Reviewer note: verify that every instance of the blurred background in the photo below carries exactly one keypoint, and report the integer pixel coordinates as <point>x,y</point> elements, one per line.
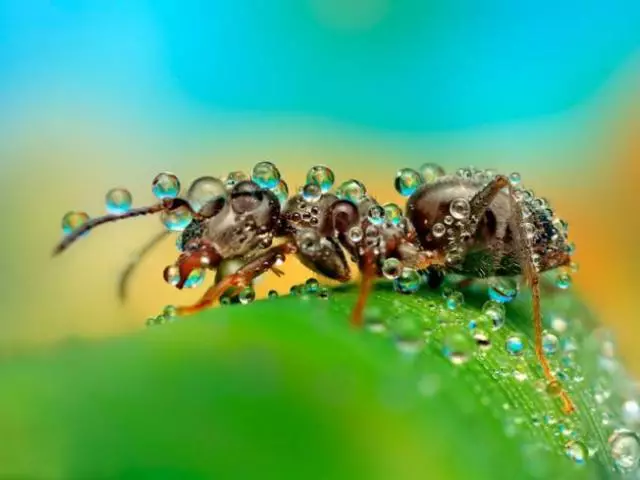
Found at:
<point>100,94</point>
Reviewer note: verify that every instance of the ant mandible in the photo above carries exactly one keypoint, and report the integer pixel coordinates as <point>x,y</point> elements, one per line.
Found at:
<point>475,223</point>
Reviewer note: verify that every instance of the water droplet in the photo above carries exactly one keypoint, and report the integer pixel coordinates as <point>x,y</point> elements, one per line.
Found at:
<point>515,178</point>
<point>408,281</point>
<point>454,300</point>
<point>563,281</point>
<point>625,449</point>
<point>520,375</point>
<point>577,451</point>
<point>460,209</point>
<point>438,230</point>
<point>272,294</point>
<point>73,220</point>
<point>351,190</point>
<point>482,339</point>
<point>554,388</point>
<point>322,177</point>
<point>204,190</point>
<point>373,319</point>
<point>549,344</point>
<point>311,192</point>
<point>457,347</point>
<point>165,185</point>
<point>631,413</point>
<point>407,333</point>
<point>247,296</point>
<point>118,201</point>
<point>177,219</point>
<point>171,275</point>
<point>153,321</point>
<point>376,215</point>
<point>392,213</point>
<point>281,190</point>
<point>503,289</point>
<point>355,234</point>
<point>496,312</point>
<point>515,345</point>
<point>265,175</point>
<point>407,181</point>
<point>295,290</point>
<point>312,285</point>
<point>323,293</point>
<point>392,268</point>
<point>235,177</point>
<point>431,172</point>
<point>195,278</point>
<point>170,312</point>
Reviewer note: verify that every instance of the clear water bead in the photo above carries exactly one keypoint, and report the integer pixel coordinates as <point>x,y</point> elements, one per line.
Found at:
<point>503,289</point>
<point>322,177</point>
<point>176,220</point>
<point>454,300</point>
<point>460,209</point>
<point>515,179</point>
<point>272,294</point>
<point>355,234</point>
<point>265,175</point>
<point>247,296</point>
<point>457,347</point>
<point>408,281</point>
<point>281,190</point>
<point>376,215</point>
<point>407,181</point>
<point>118,201</point>
<point>563,281</point>
<point>496,313</point>
<point>311,192</point>
<point>352,191</point>
<point>431,172</point>
<point>312,285</point>
<point>407,333</point>
<point>625,449</point>
<point>515,345</point>
<point>577,451</point>
<point>165,185</point>
<point>392,268</point>
<point>204,190</point>
<point>171,275</point>
<point>233,178</point>
<point>195,278</point>
<point>549,343</point>
<point>392,213</point>
<point>73,220</point>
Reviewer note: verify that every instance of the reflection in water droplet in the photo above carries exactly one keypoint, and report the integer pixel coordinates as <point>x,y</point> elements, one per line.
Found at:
<point>563,281</point>
<point>165,185</point>
<point>577,451</point>
<point>515,345</point>
<point>233,178</point>
<point>311,192</point>
<point>457,347</point>
<point>392,213</point>
<point>118,201</point>
<point>265,175</point>
<point>503,289</point>
<point>549,343</point>
<point>247,296</point>
<point>454,300</point>
<point>73,220</point>
<point>312,285</point>
<point>272,294</point>
<point>281,190</point>
<point>376,215</point>
<point>195,278</point>
<point>496,312</point>
<point>625,449</point>
<point>392,268</point>
<point>351,190</point>
<point>408,281</point>
<point>407,181</point>
<point>321,176</point>
<point>176,220</point>
<point>171,275</point>
<point>204,190</point>
<point>460,209</point>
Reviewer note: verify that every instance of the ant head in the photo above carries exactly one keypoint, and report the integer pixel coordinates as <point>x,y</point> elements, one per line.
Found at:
<point>323,255</point>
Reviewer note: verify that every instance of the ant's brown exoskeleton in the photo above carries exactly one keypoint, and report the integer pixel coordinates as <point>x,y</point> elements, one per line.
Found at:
<point>474,223</point>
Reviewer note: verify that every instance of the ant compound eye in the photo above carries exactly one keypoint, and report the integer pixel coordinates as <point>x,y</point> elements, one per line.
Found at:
<point>246,197</point>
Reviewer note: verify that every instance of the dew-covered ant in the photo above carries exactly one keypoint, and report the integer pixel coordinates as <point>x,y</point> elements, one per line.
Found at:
<point>474,223</point>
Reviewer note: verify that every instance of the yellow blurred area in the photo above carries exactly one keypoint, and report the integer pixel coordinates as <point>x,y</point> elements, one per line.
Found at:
<point>72,166</point>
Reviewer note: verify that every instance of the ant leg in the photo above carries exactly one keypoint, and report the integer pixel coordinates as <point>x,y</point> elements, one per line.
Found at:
<point>243,277</point>
<point>166,205</point>
<point>479,205</point>
<point>368,275</point>
<point>125,276</point>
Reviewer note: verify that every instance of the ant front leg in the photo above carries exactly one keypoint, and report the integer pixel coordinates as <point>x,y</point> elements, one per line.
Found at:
<point>126,274</point>
<point>243,277</point>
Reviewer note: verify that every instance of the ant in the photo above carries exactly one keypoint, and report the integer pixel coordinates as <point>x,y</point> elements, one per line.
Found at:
<point>475,223</point>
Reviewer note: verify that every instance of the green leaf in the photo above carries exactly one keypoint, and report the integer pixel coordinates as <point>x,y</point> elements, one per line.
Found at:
<point>286,388</point>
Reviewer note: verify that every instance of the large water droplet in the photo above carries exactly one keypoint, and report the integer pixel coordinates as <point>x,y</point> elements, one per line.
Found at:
<point>204,190</point>
<point>73,220</point>
<point>322,177</point>
<point>351,190</point>
<point>376,215</point>
<point>431,172</point>
<point>577,451</point>
<point>118,201</point>
<point>515,345</point>
<point>247,296</point>
<point>407,181</point>
<point>165,185</point>
<point>265,175</point>
<point>496,312</point>
<point>457,347</point>
<point>408,281</point>
<point>503,289</point>
<point>171,275</point>
<point>460,209</point>
<point>281,190</point>
<point>563,281</point>
<point>176,220</point>
<point>392,268</point>
<point>625,449</point>
<point>392,213</point>
<point>311,192</point>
